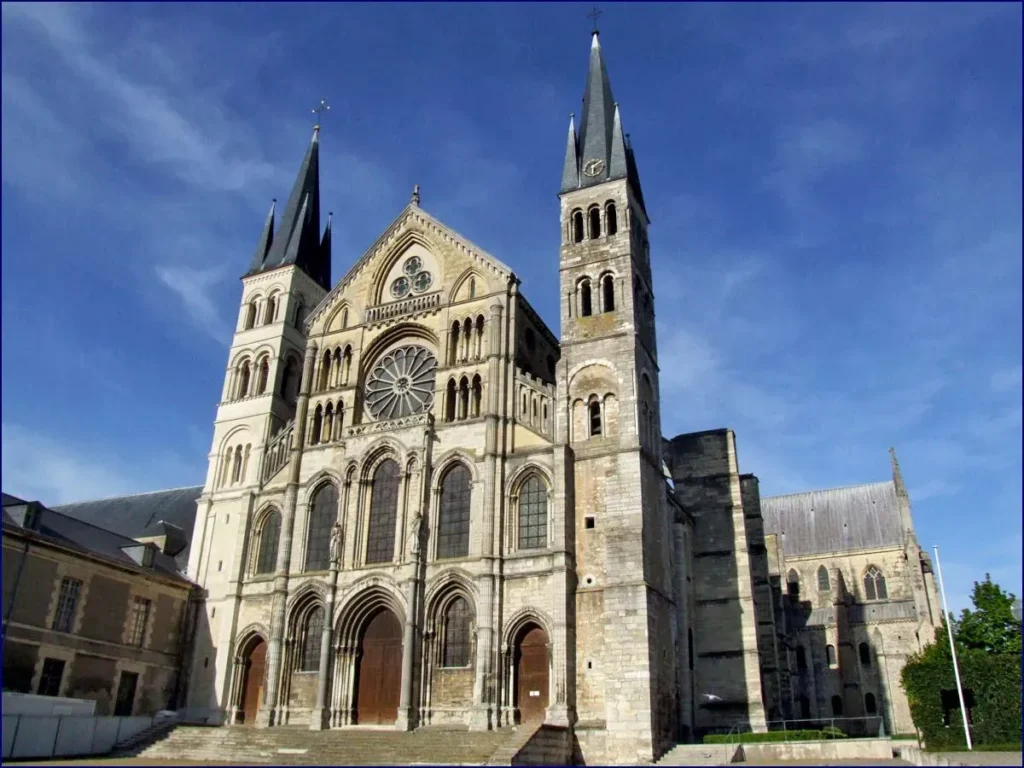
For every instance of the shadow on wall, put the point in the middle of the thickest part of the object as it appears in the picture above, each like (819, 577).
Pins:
(839, 667)
(707, 484)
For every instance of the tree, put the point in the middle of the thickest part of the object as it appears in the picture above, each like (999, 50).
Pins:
(991, 627)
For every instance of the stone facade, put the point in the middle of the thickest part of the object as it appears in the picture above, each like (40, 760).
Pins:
(422, 507)
(90, 614)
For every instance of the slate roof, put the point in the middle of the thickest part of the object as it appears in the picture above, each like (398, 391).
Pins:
(139, 515)
(297, 238)
(600, 136)
(835, 520)
(83, 536)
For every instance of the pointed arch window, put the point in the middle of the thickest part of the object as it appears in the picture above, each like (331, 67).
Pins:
(289, 380)
(594, 216)
(380, 546)
(311, 635)
(453, 518)
(236, 474)
(472, 287)
(270, 532)
(300, 313)
(317, 425)
(323, 512)
(611, 220)
(577, 226)
(476, 396)
(344, 318)
(824, 583)
(608, 293)
(453, 343)
(271, 310)
(450, 401)
(793, 584)
(533, 515)
(874, 585)
(457, 648)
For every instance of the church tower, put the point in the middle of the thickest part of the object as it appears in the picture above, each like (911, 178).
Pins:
(289, 275)
(608, 383)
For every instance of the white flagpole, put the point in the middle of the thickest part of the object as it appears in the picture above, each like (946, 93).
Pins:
(952, 647)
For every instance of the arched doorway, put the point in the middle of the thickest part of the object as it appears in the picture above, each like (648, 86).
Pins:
(252, 680)
(379, 671)
(531, 661)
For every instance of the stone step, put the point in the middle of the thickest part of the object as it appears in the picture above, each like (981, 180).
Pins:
(698, 754)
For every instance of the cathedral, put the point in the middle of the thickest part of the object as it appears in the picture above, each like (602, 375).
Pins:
(424, 507)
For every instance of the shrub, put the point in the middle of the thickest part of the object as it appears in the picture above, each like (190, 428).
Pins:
(774, 736)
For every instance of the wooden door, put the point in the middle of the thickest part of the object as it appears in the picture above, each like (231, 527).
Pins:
(532, 675)
(125, 694)
(379, 675)
(252, 684)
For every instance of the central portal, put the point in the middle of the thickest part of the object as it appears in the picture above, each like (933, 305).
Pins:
(379, 674)
(531, 660)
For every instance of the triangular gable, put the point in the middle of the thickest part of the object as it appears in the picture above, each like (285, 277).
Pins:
(411, 217)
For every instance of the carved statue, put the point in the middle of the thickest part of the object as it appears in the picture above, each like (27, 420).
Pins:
(337, 540)
(414, 533)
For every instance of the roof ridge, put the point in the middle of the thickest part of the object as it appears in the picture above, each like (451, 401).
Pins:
(123, 496)
(826, 490)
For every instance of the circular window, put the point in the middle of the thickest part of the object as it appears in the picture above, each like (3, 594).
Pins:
(402, 383)
(413, 265)
(400, 287)
(422, 281)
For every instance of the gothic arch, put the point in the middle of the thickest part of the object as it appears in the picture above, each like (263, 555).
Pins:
(382, 448)
(354, 613)
(309, 593)
(443, 594)
(449, 460)
(451, 578)
(333, 322)
(522, 474)
(317, 481)
(254, 631)
(463, 280)
(574, 371)
(396, 251)
(520, 619)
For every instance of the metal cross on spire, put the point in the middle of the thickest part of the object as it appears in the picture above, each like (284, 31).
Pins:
(320, 109)
(594, 14)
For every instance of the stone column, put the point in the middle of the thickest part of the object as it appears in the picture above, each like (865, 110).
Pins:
(237, 693)
(405, 719)
(269, 715)
(321, 717)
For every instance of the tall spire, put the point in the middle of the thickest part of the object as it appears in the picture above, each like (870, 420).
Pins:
(897, 476)
(266, 240)
(297, 240)
(599, 152)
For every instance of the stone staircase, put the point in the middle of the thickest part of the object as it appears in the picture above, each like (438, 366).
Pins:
(700, 754)
(297, 745)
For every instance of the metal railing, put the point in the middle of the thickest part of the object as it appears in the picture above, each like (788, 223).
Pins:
(869, 727)
(28, 737)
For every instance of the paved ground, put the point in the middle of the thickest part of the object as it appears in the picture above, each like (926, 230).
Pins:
(119, 761)
(826, 762)
(982, 758)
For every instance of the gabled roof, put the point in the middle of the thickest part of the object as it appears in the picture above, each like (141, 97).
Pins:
(412, 211)
(77, 534)
(139, 515)
(835, 520)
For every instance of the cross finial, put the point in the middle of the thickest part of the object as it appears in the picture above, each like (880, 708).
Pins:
(594, 14)
(415, 194)
(320, 109)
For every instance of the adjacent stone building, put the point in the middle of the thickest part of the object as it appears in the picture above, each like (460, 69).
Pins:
(422, 507)
(92, 614)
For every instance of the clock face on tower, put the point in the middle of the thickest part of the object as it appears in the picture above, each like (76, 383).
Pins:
(593, 167)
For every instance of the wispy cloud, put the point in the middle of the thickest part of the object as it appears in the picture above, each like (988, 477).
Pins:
(193, 286)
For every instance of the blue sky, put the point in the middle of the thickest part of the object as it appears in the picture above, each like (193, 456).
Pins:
(835, 192)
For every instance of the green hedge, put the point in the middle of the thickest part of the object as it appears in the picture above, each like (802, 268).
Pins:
(773, 736)
(994, 681)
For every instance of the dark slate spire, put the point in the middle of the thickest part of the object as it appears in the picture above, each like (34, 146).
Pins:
(571, 167)
(266, 240)
(325, 243)
(298, 236)
(600, 150)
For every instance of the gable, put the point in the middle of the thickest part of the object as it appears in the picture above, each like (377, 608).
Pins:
(433, 260)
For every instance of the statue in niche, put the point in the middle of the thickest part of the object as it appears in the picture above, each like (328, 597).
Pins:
(414, 533)
(337, 541)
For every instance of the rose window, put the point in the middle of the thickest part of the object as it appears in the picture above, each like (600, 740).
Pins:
(402, 383)
(415, 278)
